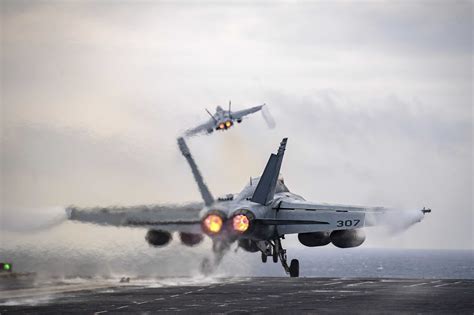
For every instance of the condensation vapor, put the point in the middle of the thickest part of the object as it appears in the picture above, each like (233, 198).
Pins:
(53, 247)
(32, 219)
(267, 116)
(395, 221)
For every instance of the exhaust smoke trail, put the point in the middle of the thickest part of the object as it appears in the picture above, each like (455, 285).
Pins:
(394, 221)
(268, 117)
(44, 242)
(28, 220)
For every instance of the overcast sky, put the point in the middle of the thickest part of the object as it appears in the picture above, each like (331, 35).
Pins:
(375, 97)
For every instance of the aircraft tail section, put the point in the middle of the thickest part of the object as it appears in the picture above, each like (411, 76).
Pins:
(266, 186)
(205, 193)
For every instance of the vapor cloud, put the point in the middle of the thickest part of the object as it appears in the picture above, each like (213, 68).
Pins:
(376, 99)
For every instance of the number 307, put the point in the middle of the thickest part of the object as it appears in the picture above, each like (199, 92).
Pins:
(341, 223)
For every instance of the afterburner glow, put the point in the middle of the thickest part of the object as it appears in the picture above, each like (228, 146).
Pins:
(240, 223)
(213, 223)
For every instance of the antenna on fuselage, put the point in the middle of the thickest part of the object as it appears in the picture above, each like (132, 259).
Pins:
(230, 113)
(212, 116)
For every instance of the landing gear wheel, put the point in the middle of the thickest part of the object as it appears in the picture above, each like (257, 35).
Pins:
(275, 256)
(264, 258)
(294, 268)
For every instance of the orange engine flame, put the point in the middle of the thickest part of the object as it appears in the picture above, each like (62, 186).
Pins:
(240, 223)
(213, 223)
(221, 126)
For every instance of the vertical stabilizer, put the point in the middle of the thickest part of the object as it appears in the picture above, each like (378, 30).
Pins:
(212, 116)
(266, 186)
(205, 193)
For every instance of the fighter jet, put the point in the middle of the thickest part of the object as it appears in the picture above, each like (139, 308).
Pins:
(224, 119)
(256, 219)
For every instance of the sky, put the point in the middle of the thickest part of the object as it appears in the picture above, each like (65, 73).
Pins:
(374, 96)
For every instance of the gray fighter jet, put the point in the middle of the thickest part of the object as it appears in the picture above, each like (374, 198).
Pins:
(224, 119)
(256, 219)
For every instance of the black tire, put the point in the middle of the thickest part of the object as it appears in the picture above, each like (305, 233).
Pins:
(294, 268)
(264, 258)
(275, 257)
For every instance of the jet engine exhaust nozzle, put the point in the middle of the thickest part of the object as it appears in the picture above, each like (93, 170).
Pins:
(212, 224)
(225, 125)
(240, 223)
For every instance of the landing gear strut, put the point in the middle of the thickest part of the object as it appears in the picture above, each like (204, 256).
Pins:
(275, 250)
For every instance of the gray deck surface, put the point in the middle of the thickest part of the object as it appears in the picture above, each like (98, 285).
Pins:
(249, 295)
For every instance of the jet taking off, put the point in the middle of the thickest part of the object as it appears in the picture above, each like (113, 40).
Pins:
(224, 119)
(257, 218)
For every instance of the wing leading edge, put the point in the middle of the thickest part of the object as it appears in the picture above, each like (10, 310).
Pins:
(244, 112)
(316, 217)
(181, 218)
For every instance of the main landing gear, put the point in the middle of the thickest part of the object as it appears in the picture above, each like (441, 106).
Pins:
(274, 249)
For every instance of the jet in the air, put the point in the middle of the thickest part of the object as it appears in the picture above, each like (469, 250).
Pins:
(256, 219)
(224, 119)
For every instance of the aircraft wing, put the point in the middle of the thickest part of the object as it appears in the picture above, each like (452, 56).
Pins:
(209, 125)
(297, 216)
(244, 112)
(313, 206)
(182, 218)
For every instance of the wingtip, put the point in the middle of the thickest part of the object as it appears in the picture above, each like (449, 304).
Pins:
(426, 210)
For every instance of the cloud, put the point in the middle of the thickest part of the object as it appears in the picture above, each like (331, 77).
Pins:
(376, 100)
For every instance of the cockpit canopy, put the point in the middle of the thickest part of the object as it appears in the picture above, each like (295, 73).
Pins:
(248, 191)
(280, 185)
(228, 197)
